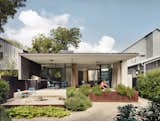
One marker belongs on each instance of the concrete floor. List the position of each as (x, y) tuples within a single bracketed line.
[(50, 97), (100, 111)]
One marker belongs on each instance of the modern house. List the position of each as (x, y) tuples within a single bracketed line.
[(76, 68), (9, 54), (148, 48)]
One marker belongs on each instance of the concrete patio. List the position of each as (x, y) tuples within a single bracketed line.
[(43, 97)]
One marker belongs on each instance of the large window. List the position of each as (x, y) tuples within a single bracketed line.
[(152, 65)]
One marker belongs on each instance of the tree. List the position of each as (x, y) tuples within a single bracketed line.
[(59, 39), (42, 44), (64, 37), (8, 8)]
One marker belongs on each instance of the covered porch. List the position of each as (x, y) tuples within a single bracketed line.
[(74, 69)]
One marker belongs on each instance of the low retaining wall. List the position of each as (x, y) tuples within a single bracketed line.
[(113, 97)]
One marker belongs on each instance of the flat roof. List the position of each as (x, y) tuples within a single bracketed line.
[(79, 58)]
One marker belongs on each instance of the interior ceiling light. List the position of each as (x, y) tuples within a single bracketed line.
[(51, 60)]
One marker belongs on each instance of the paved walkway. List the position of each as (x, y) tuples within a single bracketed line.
[(100, 111)]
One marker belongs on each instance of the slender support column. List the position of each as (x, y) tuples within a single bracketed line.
[(19, 67), (85, 74), (100, 72), (120, 74), (69, 76), (144, 71), (64, 73), (124, 73), (116, 74), (74, 75)]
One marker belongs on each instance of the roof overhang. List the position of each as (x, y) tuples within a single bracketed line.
[(79, 58)]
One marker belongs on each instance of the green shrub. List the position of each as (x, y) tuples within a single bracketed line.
[(8, 73), (129, 92), (107, 90), (85, 89), (126, 113), (4, 115), (70, 91), (152, 113), (132, 113), (149, 85), (77, 99), (96, 90), (79, 102), (123, 90), (37, 111), (4, 90)]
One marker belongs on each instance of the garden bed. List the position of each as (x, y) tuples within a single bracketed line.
[(37, 111), (113, 96)]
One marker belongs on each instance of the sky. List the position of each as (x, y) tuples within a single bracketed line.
[(106, 25)]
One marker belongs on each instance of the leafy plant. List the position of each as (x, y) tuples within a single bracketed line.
[(129, 92), (4, 90), (123, 90), (8, 73), (85, 89), (149, 84), (126, 113), (132, 113), (107, 90), (79, 102), (71, 91), (96, 90), (152, 113), (76, 99), (37, 111), (4, 115)]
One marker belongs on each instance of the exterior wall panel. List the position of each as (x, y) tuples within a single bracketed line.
[(10, 55), (29, 68), (156, 43), (149, 46), (139, 47)]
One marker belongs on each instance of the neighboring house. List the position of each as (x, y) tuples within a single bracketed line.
[(9, 54), (148, 48)]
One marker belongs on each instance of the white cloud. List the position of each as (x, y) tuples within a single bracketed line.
[(35, 24), (105, 44)]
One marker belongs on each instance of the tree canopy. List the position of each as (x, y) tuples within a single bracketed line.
[(8, 8), (65, 37), (59, 39), (42, 44)]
